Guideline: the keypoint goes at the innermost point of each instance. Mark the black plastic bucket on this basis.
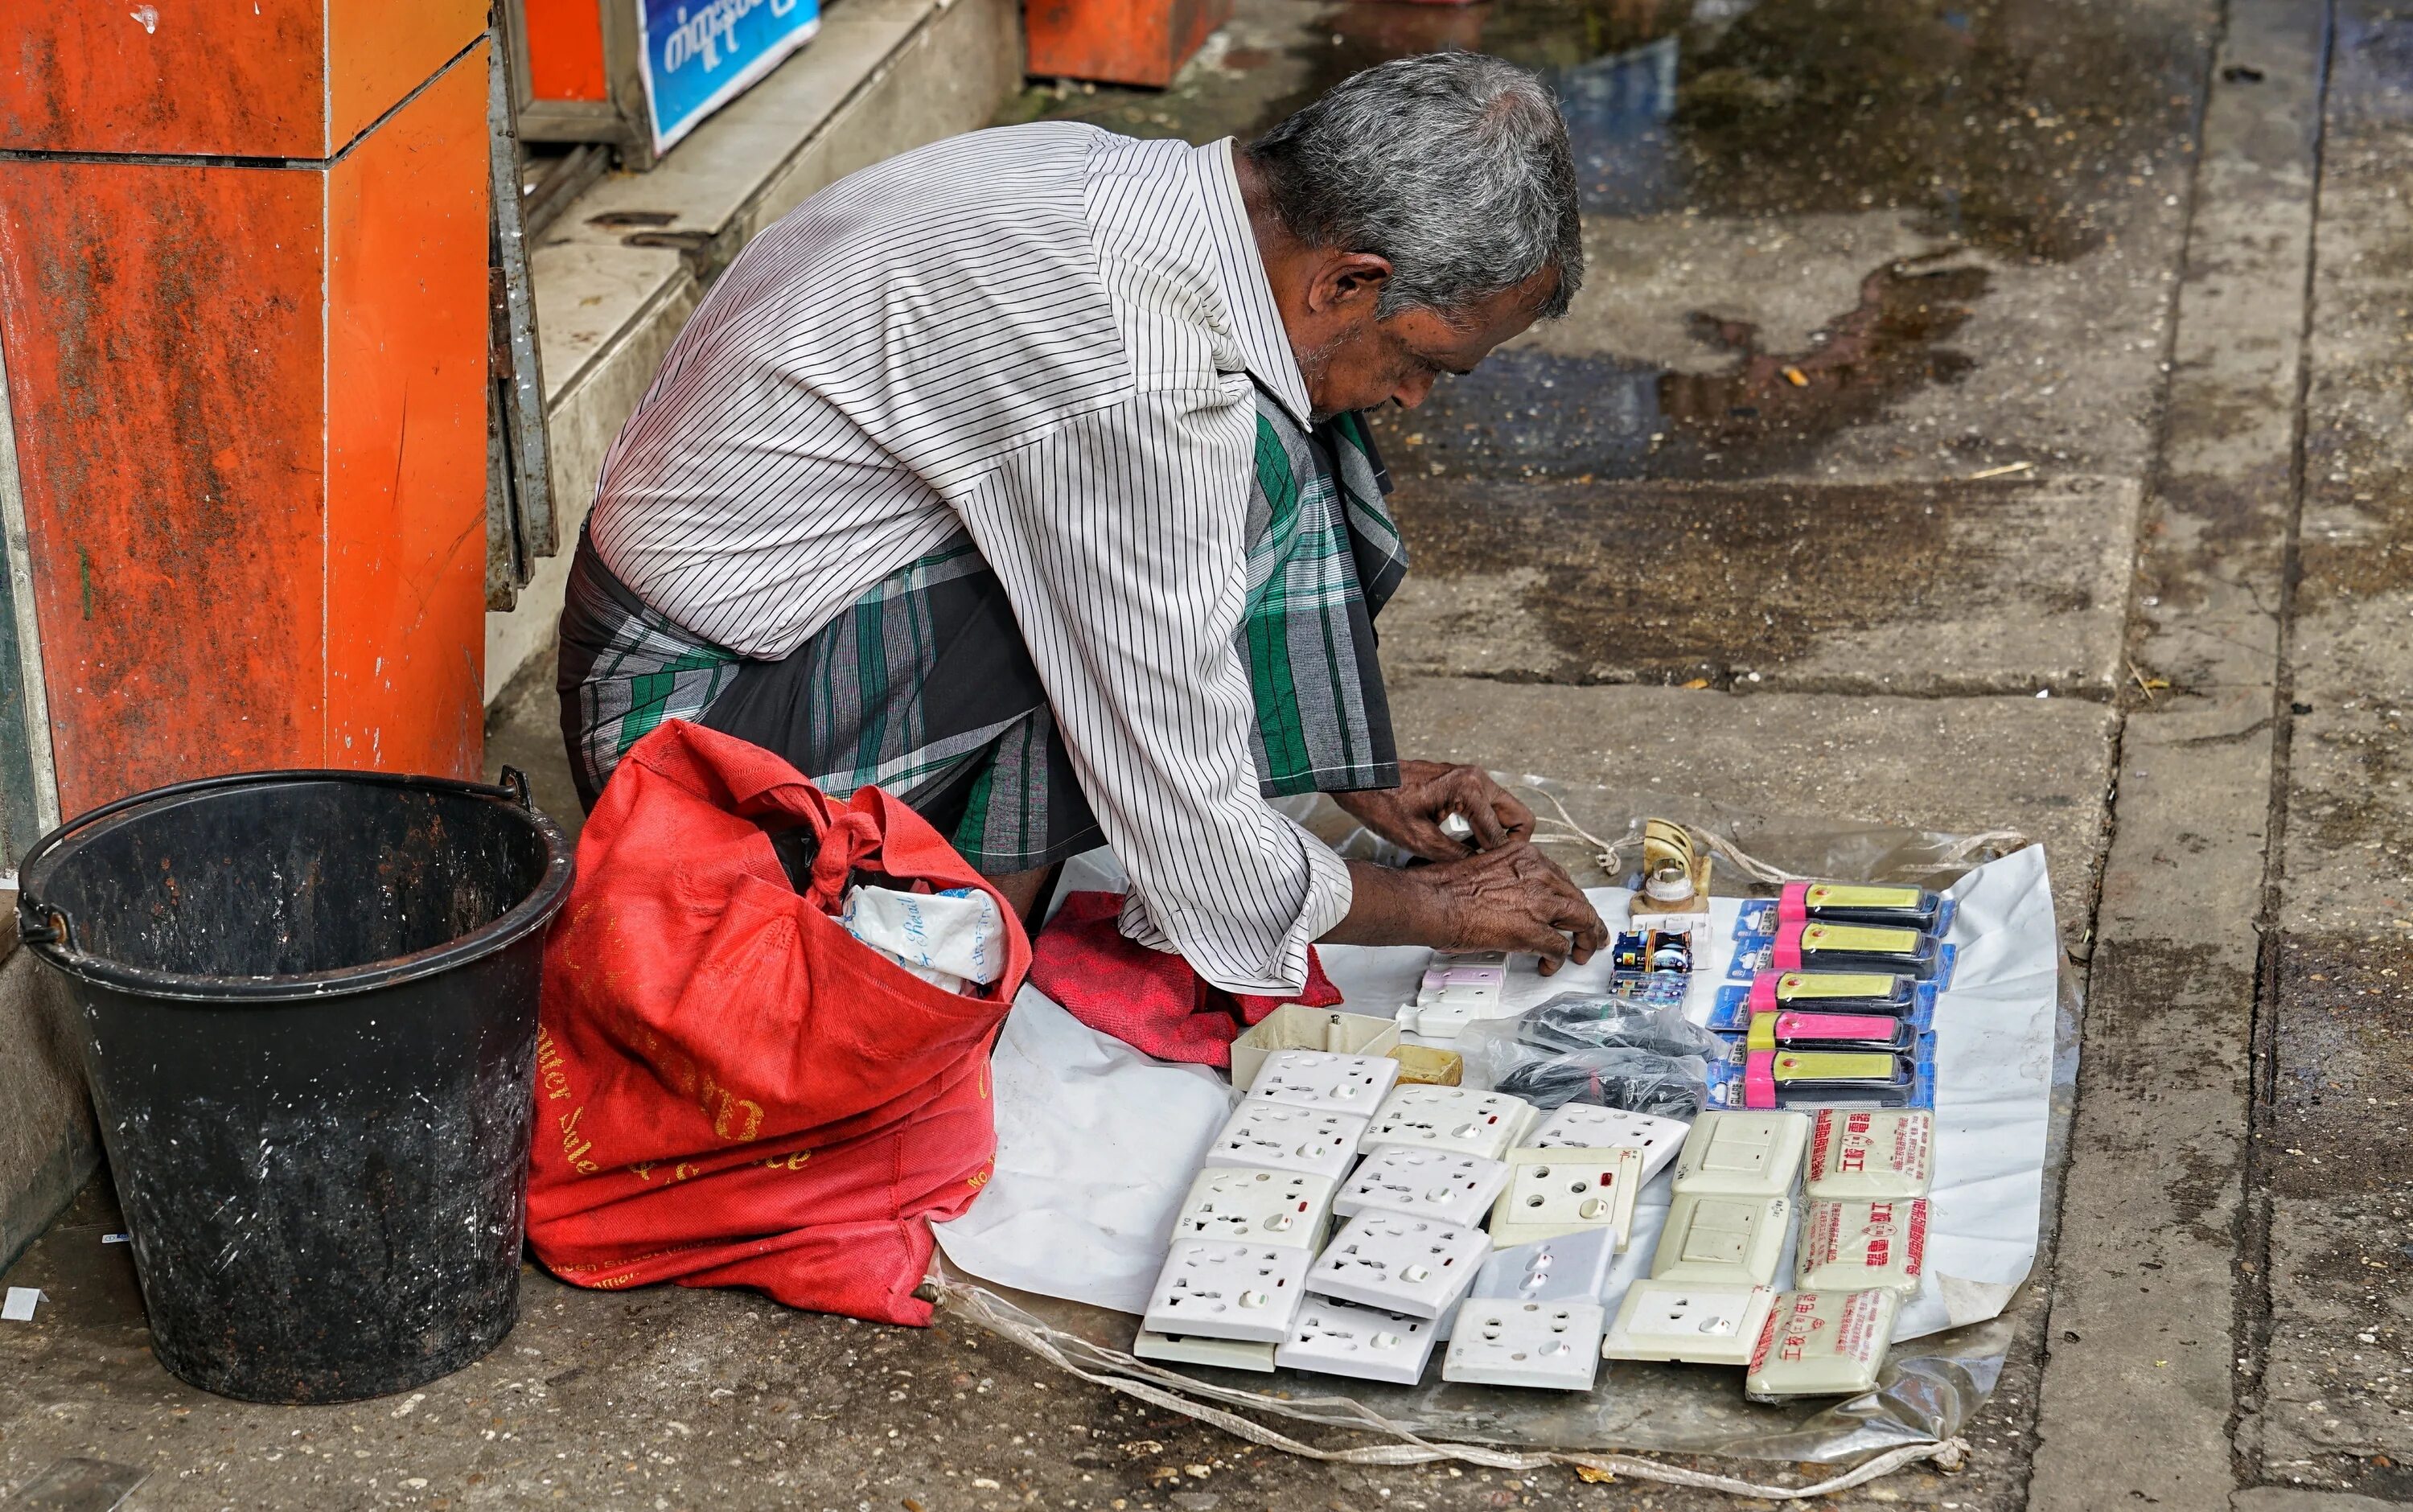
(309, 1003)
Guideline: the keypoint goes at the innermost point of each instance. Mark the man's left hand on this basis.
(1410, 815)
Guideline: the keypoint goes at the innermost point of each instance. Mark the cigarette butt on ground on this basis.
(1797, 377)
(2002, 471)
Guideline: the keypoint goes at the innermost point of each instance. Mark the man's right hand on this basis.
(1510, 898)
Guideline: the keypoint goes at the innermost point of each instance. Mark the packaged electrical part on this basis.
(1184, 1349)
(1280, 1137)
(1552, 1191)
(1416, 1266)
(1871, 1153)
(1422, 1065)
(1651, 951)
(1554, 1346)
(1246, 1204)
(1854, 1246)
(1337, 1337)
(1572, 1267)
(1462, 1119)
(1448, 1185)
(1844, 947)
(1743, 1154)
(1675, 878)
(1326, 1082)
(1715, 1239)
(1693, 1323)
(1584, 1126)
(1212, 1289)
(1899, 906)
(1822, 1345)
(1643, 1081)
(1588, 1021)
(1897, 998)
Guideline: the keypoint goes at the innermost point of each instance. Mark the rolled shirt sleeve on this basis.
(1120, 540)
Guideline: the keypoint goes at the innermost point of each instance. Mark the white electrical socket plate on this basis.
(1822, 1345)
(1325, 1080)
(1552, 1345)
(1872, 1153)
(1854, 1246)
(1565, 1267)
(1587, 1126)
(1561, 1191)
(1414, 1266)
(1214, 1289)
(1445, 1184)
(1183, 1349)
(1462, 1119)
(1743, 1154)
(1250, 1206)
(1334, 1338)
(1712, 1238)
(1698, 1323)
(1276, 1137)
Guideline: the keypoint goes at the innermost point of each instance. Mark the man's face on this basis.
(1353, 360)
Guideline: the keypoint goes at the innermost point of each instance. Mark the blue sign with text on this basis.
(699, 54)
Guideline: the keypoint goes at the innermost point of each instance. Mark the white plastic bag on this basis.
(953, 940)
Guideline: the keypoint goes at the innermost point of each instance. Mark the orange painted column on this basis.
(242, 307)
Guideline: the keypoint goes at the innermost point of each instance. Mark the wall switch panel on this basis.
(1181, 1349)
(1822, 1345)
(1247, 1206)
(1872, 1153)
(1743, 1154)
(1334, 1338)
(1325, 1081)
(1212, 1289)
(1552, 1345)
(1463, 1119)
(1566, 1267)
(1719, 1238)
(1584, 1126)
(1441, 1184)
(1698, 1323)
(1554, 1192)
(1856, 1246)
(1277, 1136)
(1414, 1266)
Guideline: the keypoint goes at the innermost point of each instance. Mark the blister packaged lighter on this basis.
(1822, 1345)
(1828, 992)
(1813, 946)
(1821, 1079)
(1795, 1030)
(1899, 906)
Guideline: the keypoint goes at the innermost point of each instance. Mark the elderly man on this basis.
(1024, 476)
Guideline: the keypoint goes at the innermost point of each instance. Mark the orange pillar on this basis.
(242, 309)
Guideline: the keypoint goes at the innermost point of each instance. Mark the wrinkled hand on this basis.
(1410, 815)
(1513, 897)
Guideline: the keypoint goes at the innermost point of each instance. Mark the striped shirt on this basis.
(1045, 336)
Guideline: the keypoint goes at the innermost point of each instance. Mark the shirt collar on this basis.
(1248, 293)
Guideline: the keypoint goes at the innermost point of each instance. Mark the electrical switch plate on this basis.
(1565, 1267)
(1277, 1136)
(1743, 1154)
(1182, 1349)
(1462, 1119)
(1414, 1266)
(1354, 1084)
(1712, 1238)
(1822, 1345)
(1587, 1126)
(1333, 1337)
(1444, 1184)
(1872, 1153)
(1250, 1206)
(1553, 1345)
(1552, 1191)
(1856, 1246)
(1698, 1323)
(1213, 1289)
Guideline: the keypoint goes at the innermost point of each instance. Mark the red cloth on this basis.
(732, 1091)
(1148, 999)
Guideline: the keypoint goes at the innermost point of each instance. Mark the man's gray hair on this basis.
(1453, 166)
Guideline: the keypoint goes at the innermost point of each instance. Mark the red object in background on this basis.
(1118, 41)
(1149, 1000)
(565, 49)
(732, 1091)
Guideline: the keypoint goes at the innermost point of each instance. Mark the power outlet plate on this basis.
(1183, 1349)
(1696, 1323)
(1276, 1137)
(1743, 1154)
(1244, 1204)
(1553, 1191)
(1333, 1337)
(1423, 1183)
(1566, 1267)
(1711, 1237)
(1210, 1289)
(1551, 1346)
(1463, 1119)
(1325, 1081)
(1414, 1266)
(1585, 1126)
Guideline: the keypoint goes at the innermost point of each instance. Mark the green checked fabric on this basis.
(923, 687)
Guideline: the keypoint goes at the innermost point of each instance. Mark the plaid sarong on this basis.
(923, 687)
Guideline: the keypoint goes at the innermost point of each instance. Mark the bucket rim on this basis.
(38, 928)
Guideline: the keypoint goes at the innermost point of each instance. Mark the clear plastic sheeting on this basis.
(1098, 1143)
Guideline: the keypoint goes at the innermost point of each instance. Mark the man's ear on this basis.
(1345, 281)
